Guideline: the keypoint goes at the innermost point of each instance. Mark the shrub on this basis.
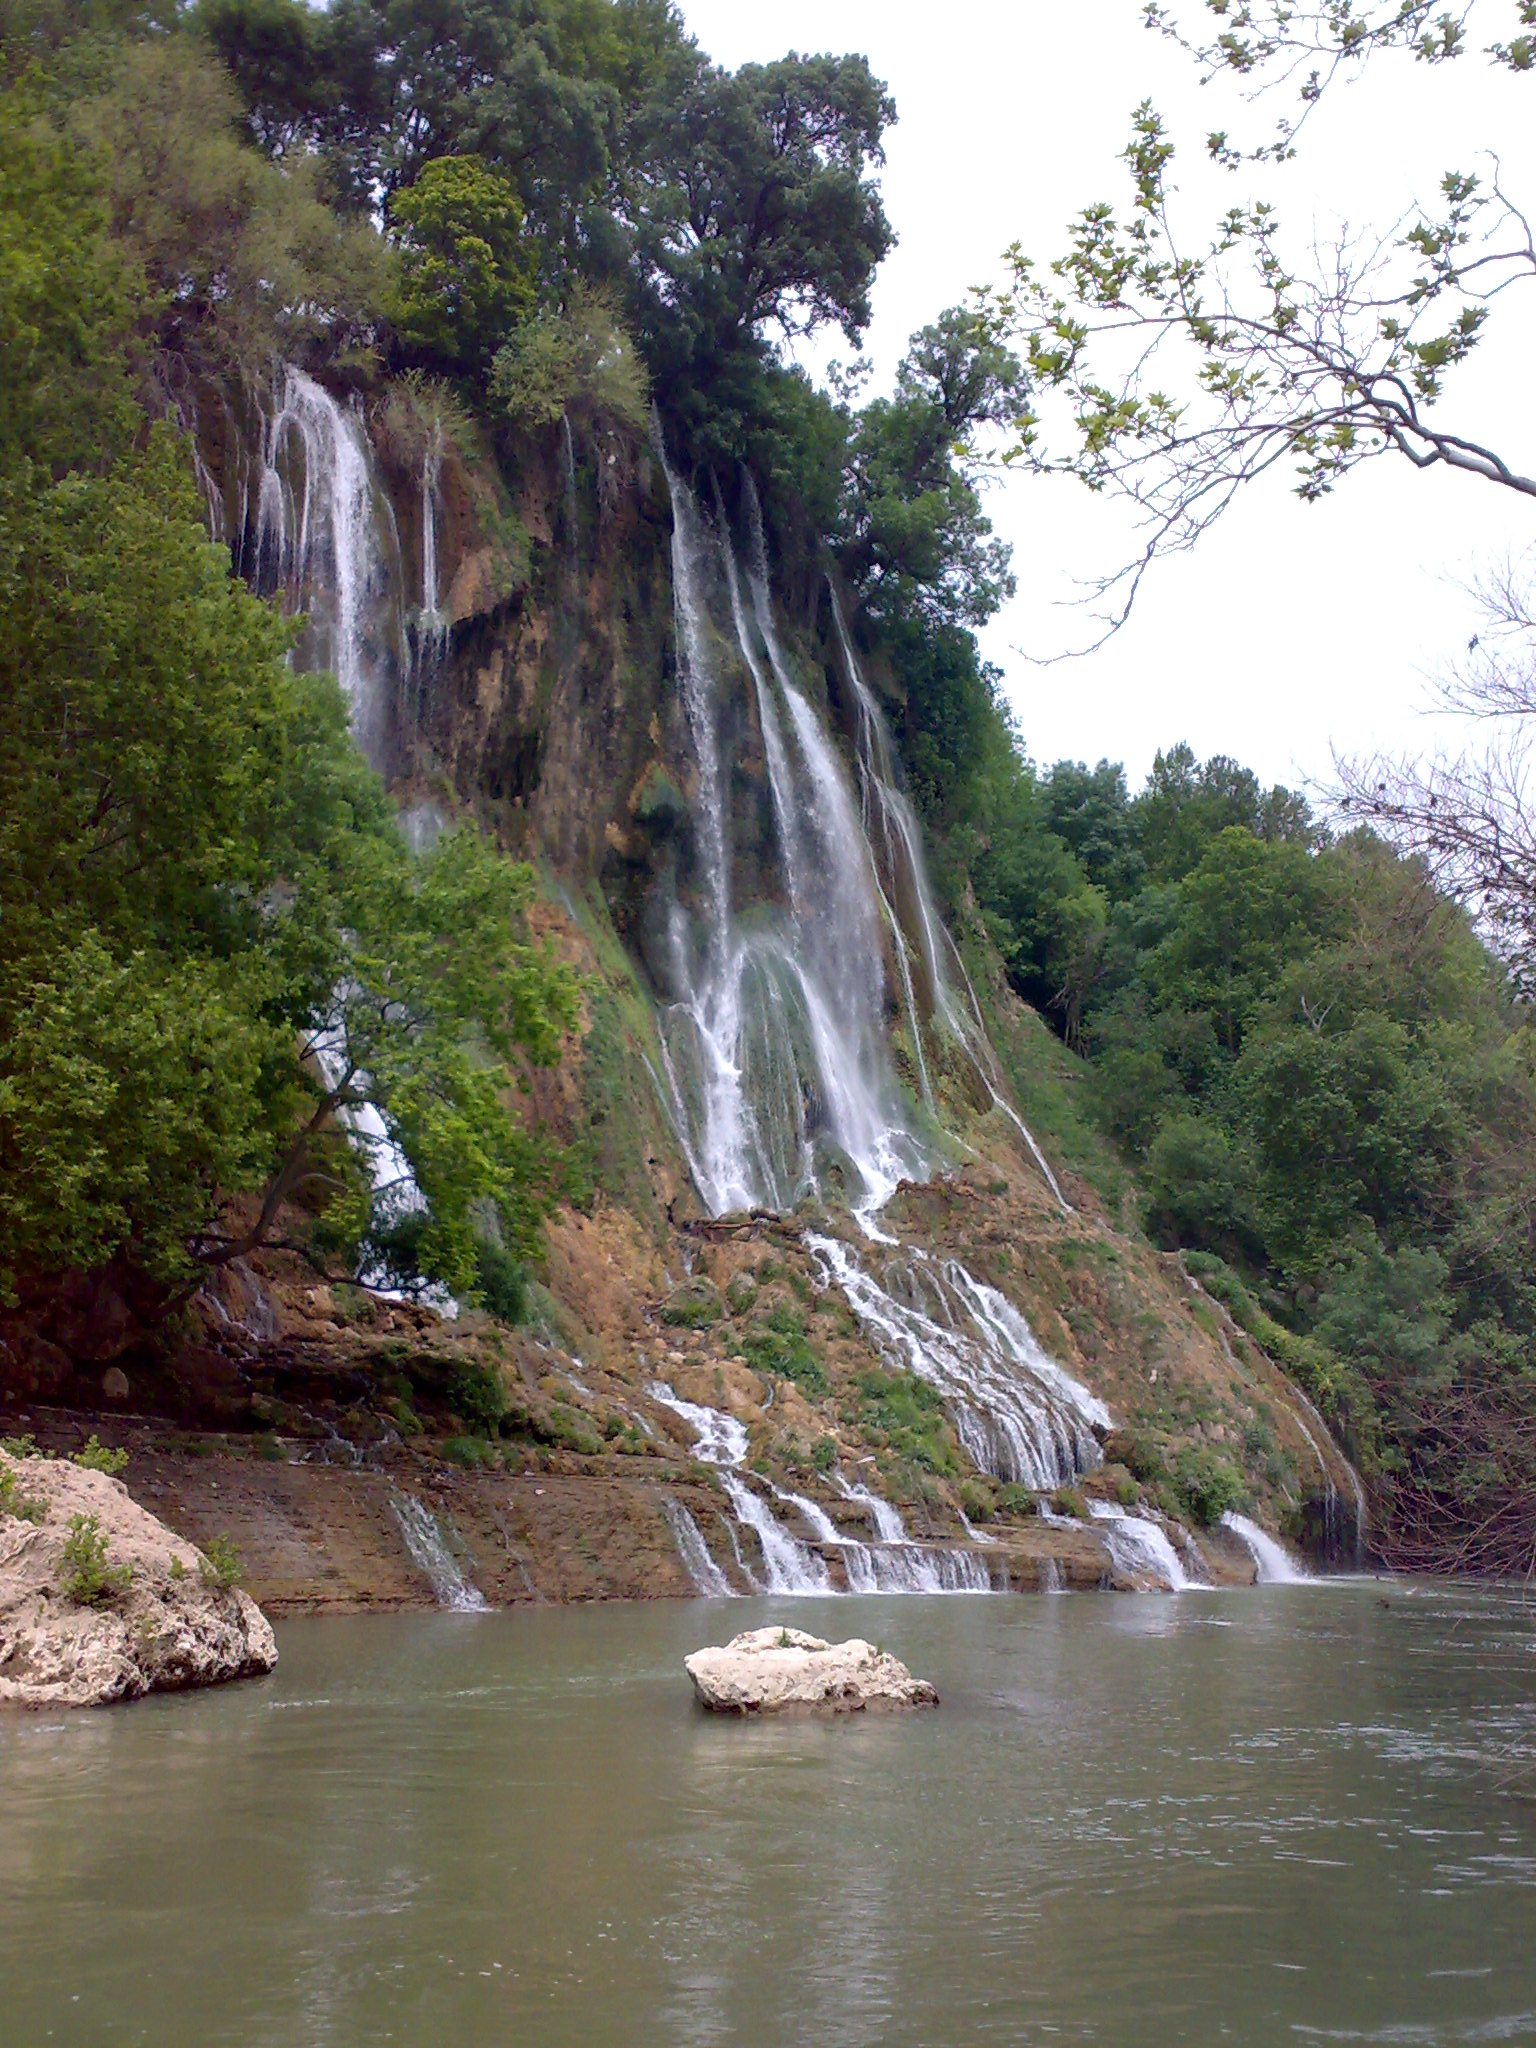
(472, 1452)
(1207, 1485)
(21, 1507)
(1066, 1500)
(477, 1393)
(777, 1345)
(694, 1307)
(86, 1573)
(824, 1456)
(97, 1458)
(220, 1565)
(502, 1282)
(1014, 1499)
(270, 1449)
(977, 1501)
(907, 1415)
(581, 359)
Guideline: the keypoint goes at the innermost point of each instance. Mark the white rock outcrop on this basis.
(769, 1670)
(163, 1627)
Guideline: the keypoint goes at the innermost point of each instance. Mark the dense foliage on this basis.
(219, 957)
(220, 964)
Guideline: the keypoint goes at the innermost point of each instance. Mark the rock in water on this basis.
(768, 1670)
(158, 1624)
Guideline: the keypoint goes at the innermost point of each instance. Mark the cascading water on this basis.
(1138, 1548)
(312, 526)
(431, 1554)
(893, 1564)
(1273, 1563)
(774, 1041)
(430, 627)
(1019, 1416)
(892, 832)
(709, 1582)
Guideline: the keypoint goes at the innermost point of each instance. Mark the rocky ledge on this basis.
(100, 1602)
(770, 1670)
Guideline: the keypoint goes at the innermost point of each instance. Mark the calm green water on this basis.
(1289, 1815)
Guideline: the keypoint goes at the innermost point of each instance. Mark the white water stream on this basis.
(774, 1038)
(891, 1564)
(892, 833)
(430, 1553)
(1275, 1565)
(1139, 1548)
(1019, 1416)
(314, 528)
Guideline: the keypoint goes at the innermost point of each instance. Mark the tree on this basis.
(912, 536)
(219, 950)
(222, 970)
(68, 299)
(242, 260)
(468, 275)
(1172, 368)
(1472, 819)
(380, 88)
(750, 213)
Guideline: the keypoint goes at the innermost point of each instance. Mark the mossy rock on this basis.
(741, 1291)
(696, 1305)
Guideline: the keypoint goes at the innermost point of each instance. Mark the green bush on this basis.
(695, 1306)
(579, 360)
(21, 1507)
(86, 1571)
(907, 1415)
(977, 1501)
(97, 1458)
(777, 1346)
(220, 1565)
(1066, 1500)
(1014, 1499)
(473, 1453)
(1208, 1486)
(824, 1455)
(502, 1281)
(476, 1391)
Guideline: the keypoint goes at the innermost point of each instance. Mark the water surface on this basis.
(1295, 1815)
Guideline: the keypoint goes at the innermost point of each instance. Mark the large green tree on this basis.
(222, 971)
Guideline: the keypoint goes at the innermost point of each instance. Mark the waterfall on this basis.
(313, 527)
(1018, 1414)
(1274, 1566)
(1138, 1548)
(430, 1553)
(790, 1565)
(892, 831)
(431, 626)
(773, 1039)
(568, 452)
(709, 1582)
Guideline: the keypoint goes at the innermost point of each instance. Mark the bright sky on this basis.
(1293, 630)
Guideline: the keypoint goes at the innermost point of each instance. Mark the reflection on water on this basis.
(1301, 1814)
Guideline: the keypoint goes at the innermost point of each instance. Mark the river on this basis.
(1299, 1814)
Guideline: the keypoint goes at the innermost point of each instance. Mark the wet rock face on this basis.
(100, 1602)
(774, 1670)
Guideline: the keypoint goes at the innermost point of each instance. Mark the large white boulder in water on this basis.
(768, 1670)
(161, 1621)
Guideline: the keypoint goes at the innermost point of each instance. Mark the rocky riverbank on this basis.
(100, 1601)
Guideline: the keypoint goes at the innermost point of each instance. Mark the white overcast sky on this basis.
(1294, 629)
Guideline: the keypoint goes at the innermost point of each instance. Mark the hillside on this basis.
(556, 1043)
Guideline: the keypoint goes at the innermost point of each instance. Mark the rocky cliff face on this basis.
(824, 1315)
